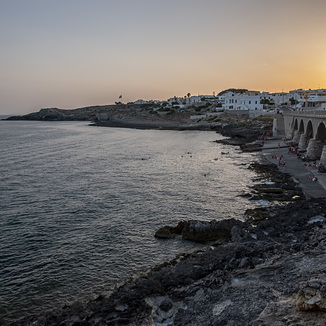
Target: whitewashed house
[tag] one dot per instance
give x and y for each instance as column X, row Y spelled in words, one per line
column 176, row 100
column 277, row 98
column 194, row 99
column 140, row 102
column 281, row 98
column 248, row 101
column 310, row 99
column 315, row 99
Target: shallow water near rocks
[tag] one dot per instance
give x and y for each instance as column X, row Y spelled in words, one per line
column 80, row 205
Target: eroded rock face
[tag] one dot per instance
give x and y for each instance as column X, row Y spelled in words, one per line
column 245, row 132
column 312, row 294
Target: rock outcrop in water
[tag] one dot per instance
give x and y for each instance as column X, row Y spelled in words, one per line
column 201, row 231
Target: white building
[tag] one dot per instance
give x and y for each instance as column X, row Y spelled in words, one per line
column 281, row 98
column 140, row 102
column 245, row 101
column 176, row 100
column 311, row 99
column 277, row 98
column 194, row 99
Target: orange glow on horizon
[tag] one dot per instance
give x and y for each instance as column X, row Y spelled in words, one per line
column 199, row 48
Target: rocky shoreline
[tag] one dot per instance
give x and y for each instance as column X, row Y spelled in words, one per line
column 161, row 125
column 266, row 270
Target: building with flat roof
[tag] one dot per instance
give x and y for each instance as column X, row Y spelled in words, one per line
column 243, row 101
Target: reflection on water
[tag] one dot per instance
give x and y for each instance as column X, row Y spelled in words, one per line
column 80, row 205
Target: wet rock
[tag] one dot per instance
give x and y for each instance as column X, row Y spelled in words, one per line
column 317, row 219
column 261, row 188
column 233, row 141
column 251, row 147
column 168, row 232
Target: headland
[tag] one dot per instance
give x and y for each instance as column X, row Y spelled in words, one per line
column 146, row 117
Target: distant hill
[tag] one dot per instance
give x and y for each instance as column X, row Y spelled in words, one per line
column 234, row 90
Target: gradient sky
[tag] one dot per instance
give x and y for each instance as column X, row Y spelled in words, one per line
column 74, row 53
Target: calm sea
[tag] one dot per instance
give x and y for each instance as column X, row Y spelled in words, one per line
column 79, row 205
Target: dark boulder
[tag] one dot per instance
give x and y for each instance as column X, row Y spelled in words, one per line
column 201, row 231
column 168, row 232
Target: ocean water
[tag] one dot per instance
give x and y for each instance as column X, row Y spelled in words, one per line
column 80, row 205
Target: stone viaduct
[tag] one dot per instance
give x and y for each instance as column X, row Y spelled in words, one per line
column 307, row 129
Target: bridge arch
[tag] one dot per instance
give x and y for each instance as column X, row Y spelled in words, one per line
column 310, row 130
column 295, row 124
column 298, row 129
column 307, row 129
column 306, row 136
column 301, row 126
column 321, row 132
column 316, row 145
column 321, row 135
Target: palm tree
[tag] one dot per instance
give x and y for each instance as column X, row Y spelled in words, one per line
column 188, row 97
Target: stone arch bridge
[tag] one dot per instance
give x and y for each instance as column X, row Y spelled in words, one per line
column 307, row 129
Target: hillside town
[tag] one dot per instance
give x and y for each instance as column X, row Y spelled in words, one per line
column 190, row 108
column 255, row 102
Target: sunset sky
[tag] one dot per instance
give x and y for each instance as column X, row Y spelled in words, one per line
column 74, row 53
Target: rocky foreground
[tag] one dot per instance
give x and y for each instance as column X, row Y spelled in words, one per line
column 266, row 270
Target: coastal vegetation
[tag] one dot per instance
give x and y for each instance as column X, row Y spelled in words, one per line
column 266, row 101
column 234, row 90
